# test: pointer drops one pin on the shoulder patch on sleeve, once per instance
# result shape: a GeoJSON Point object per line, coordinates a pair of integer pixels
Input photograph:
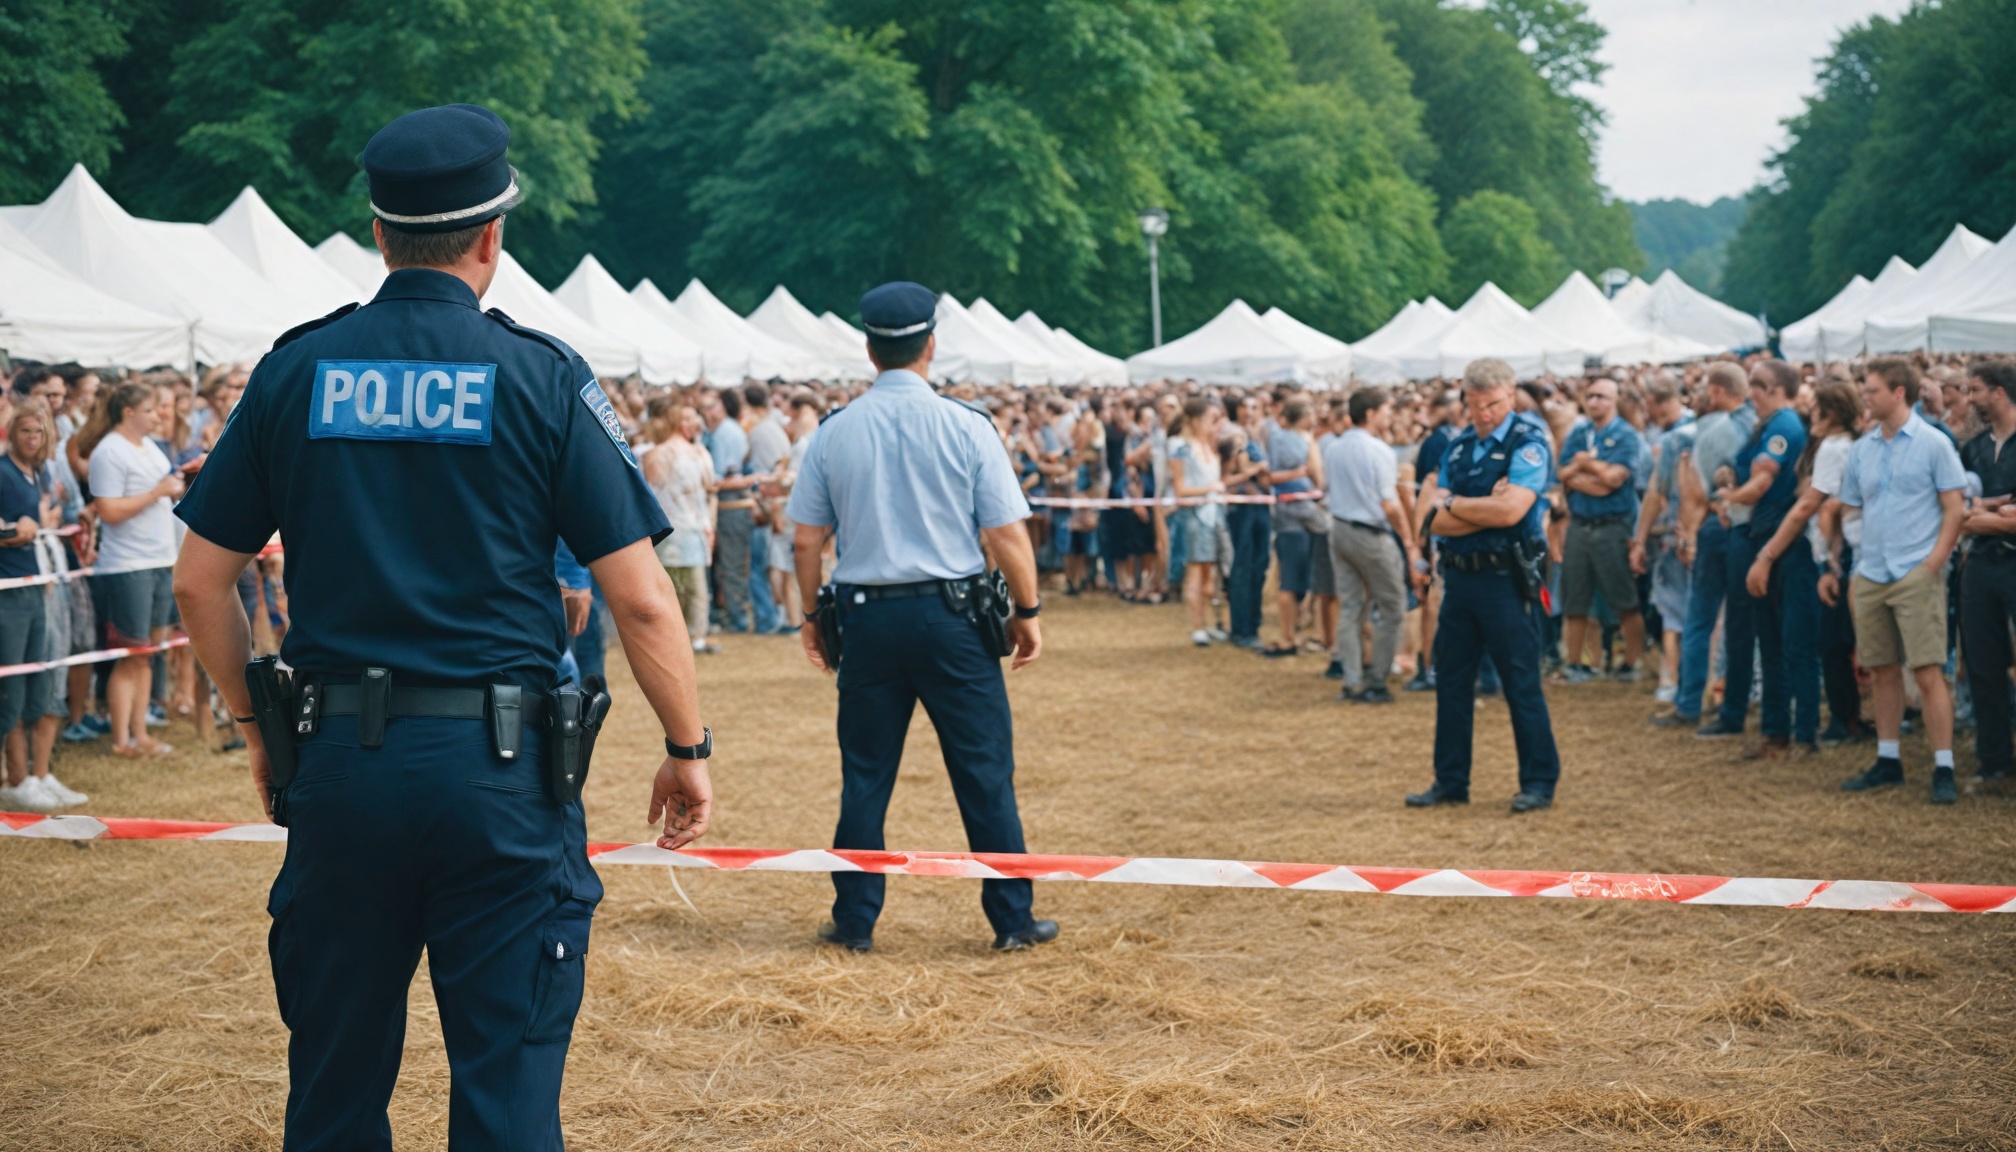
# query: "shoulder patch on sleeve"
{"type": "Point", "coordinates": [300, 330]}
{"type": "Point", "coordinates": [1776, 446]}
{"type": "Point", "coordinates": [550, 341]}
{"type": "Point", "coordinates": [1531, 454]}
{"type": "Point", "coordinates": [605, 414]}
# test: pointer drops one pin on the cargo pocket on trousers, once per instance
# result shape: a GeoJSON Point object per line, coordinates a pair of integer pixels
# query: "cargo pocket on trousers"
{"type": "Point", "coordinates": [280, 945]}
{"type": "Point", "coordinates": [557, 987]}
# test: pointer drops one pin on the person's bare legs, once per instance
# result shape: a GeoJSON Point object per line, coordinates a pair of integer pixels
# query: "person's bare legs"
{"type": "Point", "coordinates": [1288, 607]}
{"type": "Point", "coordinates": [1326, 621]}
{"type": "Point", "coordinates": [126, 700]}
{"type": "Point", "coordinates": [80, 692]}
{"type": "Point", "coordinates": [1935, 704]}
{"type": "Point", "coordinates": [43, 743]}
{"type": "Point", "coordinates": [1887, 700]}
{"type": "Point", "coordinates": [1574, 634]}
{"type": "Point", "coordinates": [1669, 658]}
{"type": "Point", "coordinates": [17, 758]}
{"type": "Point", "coordinates": [1633, 624]}
{"type": "Point", "coordinates": [1197, 593]}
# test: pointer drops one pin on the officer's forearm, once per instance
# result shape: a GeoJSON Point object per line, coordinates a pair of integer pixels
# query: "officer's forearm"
{"type": "Point", "coordinates": [808, 543]}
{"type": "Point", "coordinates": [655, 641]}
{"type": "Point", "coordinates": [206, 590]}
{"type": "Point", "coordinates": [1016, 557]}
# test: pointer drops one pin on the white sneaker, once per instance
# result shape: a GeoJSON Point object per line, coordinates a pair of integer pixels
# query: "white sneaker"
{"type": "Point", "coordinates": [1666, 693]}
{"type": "Point", "coordinates": [31, 797]}
{"type": "Point", "coordinates": [65, 796]}
{"type": "Point", "coordinates": [1218, 635]}
{"type": "Point", "coordinates": [1201, 638]}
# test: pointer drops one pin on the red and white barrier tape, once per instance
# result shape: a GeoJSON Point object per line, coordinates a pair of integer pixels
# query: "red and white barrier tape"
{"type": "Point", "coordinates": [7, 670]}
{"type": "Point", "coordinates": [1166, 501]}
{"type": "Point", "coordinates": [1763, 892]}
{"type": "Point", "coordinates": [44, 578]}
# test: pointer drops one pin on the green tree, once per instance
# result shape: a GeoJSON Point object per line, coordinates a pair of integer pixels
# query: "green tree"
{"type": "Point", "coordinates": [283, 97]}
{"type": "Point", "coordinates": [1493, 236]}
{"type": "Point", "coordinates": [1692, 239]}
{"type": "Point", "coordinates": [58, 110]}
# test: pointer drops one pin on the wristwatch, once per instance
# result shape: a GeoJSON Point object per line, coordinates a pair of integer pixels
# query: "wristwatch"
{"type": "Point", "coordinates": [700, 751]}
{"type": "Point", "coordinates": [1029, 613]}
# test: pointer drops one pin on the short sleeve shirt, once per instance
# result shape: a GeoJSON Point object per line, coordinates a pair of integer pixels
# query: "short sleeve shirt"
{"type": "Point", "coordinates": [146, 539]}
{"type": "Point", "coordinates": [1614, 443]}
{"type": "Point", "coordinates": [1781, 439]}
{"type": "Point", "coordinates": [1896, 482]}
{"type": "Point", "coordinates": [20, 496]}
{"type": "Point", "coordinates": [907, 479]}
{"type": "Point", "coordinates": [421, 461]}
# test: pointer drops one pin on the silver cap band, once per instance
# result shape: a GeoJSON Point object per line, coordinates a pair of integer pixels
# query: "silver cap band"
{"type": "Point", "coordinates": [503, 197]}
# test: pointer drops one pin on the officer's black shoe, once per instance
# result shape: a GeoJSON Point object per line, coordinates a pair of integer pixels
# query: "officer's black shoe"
{"type": "Point", "coordinates": [1715, 729]}
{"type": "Point", "coordinates": [1885, 773]}
{"type": "Point", "coordinates": [1531, 801]}
{"type": "Point", "coordinates": [1335, 671]}
{"type": "Point", "coordinates": [1436, 794]}
{"type": "Point", "coordinates": [1374, 694]}
{"type": "Point", "coordinates": [829, 933]}
{"type": "Point", "coordinates": [1038, 932]}
{"type": "Point", "coordinates": [1943, 789]}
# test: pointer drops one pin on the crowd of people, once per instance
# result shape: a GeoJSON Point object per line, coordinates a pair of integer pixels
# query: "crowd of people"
{"type": "Point", "coordinates": [1762, 533]}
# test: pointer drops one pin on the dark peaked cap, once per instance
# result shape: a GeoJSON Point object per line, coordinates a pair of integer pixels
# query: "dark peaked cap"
{"type": "Point", "coordinates": [899, 309]}
{"type": "Point", "coordinates": [441, 169]}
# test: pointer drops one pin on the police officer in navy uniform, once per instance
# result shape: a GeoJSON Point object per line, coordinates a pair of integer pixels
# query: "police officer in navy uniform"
{"type": "Point", "coordinates": [421, 459]}
{"type": "Point", "coordinates": [1488, 504]}
{"type": "Point", "coordinates": [911, 485]}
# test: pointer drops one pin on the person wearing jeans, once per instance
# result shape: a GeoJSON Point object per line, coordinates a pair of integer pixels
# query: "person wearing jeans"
{"type": "Point", "coordinates": [1249, 525]}
{"type": "Point", "coordinates": [1988, 581]}
{"type": "Point", "coordinates": [1704, 535]}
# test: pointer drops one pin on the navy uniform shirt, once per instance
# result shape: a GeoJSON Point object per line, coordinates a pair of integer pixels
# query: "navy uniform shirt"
{"type": "Point", "coordinates": [1473, 465]}
{"type": "Point", "coordinates": [907, 479]}
{"type": "Point", "coordinates": [1782, 438]}
{"type": "Point", "coordinates": [1614, 443]}
{"type": "Point", "coordinates": [421, 459]}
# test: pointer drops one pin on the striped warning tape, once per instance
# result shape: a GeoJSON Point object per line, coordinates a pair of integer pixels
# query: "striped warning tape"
{"type": "Point", "coordinates": [1763, 892]}
{"type": "Point", "coordinates": [89, 657]}
{"type": "Point", "coordinates": [1166, 501]}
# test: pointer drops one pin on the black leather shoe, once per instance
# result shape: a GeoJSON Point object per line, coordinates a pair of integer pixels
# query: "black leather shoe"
{"type": "Point", "coordinates": [1038, 932]}
{"type": "Point", "coordinates": [1436, 795]}
{"type": "Point", "coordinates": [1882, 774]}
{"type": "Point", "coordinates": [829, 933]}
{"type": "Point", "coordinates": [1531, 801]}
{"type": "Point", "coordinates": [1675, 720]}
{"type": "Point", "coordinates": [1943, 789]}
{"type": "Point", "coordinates": [1374, 694]}
{"type": "Point", "coordinates": [1335, 671]}
{"type": "Point", "coordinates": [1715, 729]}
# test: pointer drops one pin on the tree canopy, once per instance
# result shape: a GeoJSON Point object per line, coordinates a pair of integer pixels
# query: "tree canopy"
{"type": "Point", "coordinates": [1332, 157]}
{"type": "Point", "coordinates": [1912, 130]}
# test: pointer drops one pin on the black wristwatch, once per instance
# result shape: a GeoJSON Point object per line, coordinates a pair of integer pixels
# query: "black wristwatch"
{"type": "Point", "coordinates": [700, 751]}
{"type": "Point", "coordinates": [1029, 613]}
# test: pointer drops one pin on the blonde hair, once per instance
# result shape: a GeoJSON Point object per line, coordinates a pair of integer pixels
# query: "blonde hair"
{"type": "Point", "coordinates": [33, 410]}
{"type": "Point", "coordinates": [1483, 375]}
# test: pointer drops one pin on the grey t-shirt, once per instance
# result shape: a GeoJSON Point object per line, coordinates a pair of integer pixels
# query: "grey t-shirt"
{"type": "Point", "coordinates": [1718, 437]}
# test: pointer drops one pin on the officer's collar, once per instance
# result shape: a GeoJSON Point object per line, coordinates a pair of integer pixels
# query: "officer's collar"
{"type": "Point", "coordinates": [901, 378]}
{"type": "Point", "coordinates": [426, 284]}
{"type": "Point", "coordinates": [1503, 429]}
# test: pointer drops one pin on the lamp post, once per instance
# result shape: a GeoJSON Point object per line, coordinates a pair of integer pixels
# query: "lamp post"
{"type": "Point", "coordinates": [1154, 223]}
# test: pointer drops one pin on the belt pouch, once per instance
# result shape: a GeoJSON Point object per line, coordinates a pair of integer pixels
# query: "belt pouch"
{"type": "Point", "coordinates": [563, 768]}
{"type": "Point", "coordinates": [958, 597]}
{"type": "Point", "coordinates": [595, 705]}
{"type": "Point", "coordinates": [507, 719]}
{"type": "Point", "coordinates": [374, 703]}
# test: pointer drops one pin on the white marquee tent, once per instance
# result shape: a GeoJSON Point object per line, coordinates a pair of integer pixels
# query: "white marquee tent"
{"type": "Point", "coordinates": [1492, 324]}
{"type": "Point", "coordinates": [363, 266]}
{"type": "Point", "coordinates": [255, 234]}
{"type": "Point", "coordinates": [525, 301]}
{"type": "Point", "coordinates": [842, 327]}
{"type": "Point", "coordinates": [1376, 358]}
{"type": "Point", "coordinates": [1841, 336]}
{"type": "Point", "coordinates": [1099, 369]}
{"type": "Point", "coordinates": [784, 318]}
{"type": "Point", "coordinates": [1672, 307]}
{"type": "Point", "coordinates": [1327, 358]}
{"type": "Point", "coordinates": [665, 356]}
{"type": "Point", "coordinates": [1580, 313]}
{"type": "Point", "coordinates": [969, 353]}
{"type": "Point", "coordinates": [1234, 347]}
{"type": "Point", "coordinates": [48, 314]}
{"type": "Point", "coordinates": [1028, 350]}
{"type": "Point", "coordinates": [1801, 340]}
{"type": "Point", "coordinates": [1904, 323]}
{"type": "Point", "coordinates": [731, 347]}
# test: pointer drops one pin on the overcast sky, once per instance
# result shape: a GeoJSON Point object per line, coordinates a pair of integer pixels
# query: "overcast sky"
{"type": "Point", "coordinates": [1697, 88]}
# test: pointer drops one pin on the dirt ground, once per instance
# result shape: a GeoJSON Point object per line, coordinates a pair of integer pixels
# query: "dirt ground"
{"type": "Point", "coordinates": [138, 1009]}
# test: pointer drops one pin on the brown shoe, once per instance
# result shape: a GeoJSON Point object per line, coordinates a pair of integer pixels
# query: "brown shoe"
{"type": "Point", "coordinates": [1769, 748]}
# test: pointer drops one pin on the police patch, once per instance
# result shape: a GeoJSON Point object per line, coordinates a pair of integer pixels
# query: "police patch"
{"type": "Point", "coordinates": [1532, 456]}
{"type": "Point", "coordinates": [415, 400]}
{"type": "Point", "coordinates": [605, 414]}
{"type": "Point", "coordinates": [1776, 446]}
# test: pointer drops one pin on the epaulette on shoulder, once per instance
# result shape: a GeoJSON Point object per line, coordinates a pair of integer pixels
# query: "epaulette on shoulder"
{"type": "Point", "coordinates": [300, 330]}
{"type": "Point", "coordinates": [553, 342]}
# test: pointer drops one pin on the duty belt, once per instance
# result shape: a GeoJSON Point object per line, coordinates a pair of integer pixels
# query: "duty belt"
{"type": "Point", "coordinates": [1477, 561]}
{"type": "Point", "coordinates": [860, 593]}
{"type": "Point", "coordinates": [441, 703]}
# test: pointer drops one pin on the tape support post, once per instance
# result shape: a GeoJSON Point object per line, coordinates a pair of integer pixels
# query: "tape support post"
{"type": "Point", "coordinates": [1762, 892]}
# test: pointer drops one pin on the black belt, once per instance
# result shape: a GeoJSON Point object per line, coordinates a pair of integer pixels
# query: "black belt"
{"type": "Point", "coordinates": [1477, 561]}
{"type": "Point", "coordinates": [439, 703]}
{"type": "Point", "coordinates": [860, 592]}
{"type": "Point", "coordinates": [1359, 524]}
{"type": "Point", "coordinates": [1600, 521]}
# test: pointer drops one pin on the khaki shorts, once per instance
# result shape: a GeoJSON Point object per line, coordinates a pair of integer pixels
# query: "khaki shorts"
{"type": "Point", "coordinates": [1903, 622]}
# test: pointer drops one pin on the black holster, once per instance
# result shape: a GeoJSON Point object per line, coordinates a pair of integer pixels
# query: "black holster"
{"type": "Point", "coordinates": [272, 692]}
{"type": "Point", "coordinates": [1529, 569]}
{"type": "Point", "coordinates": [826, 614]}
{"type": "Point", "coordinates": [577, 715]}
{"type": "Point", "coordinates": [992, 607]}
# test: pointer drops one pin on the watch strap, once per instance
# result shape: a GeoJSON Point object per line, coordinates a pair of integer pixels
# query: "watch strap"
{"type": "Point", "coordinates": [700, 751]}
{"type": "Point", "coordinates": [1029, 613]}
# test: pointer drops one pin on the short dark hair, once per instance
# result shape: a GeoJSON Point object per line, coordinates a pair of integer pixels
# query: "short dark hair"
{"type": "Point", "coordinates": [1366, 401]}
{"type": "Point", "coordinates": [731, 403]}
{"type": "Point", "coordinates": [1895, 372]}
{"type": "Point", "coordinates": [427, 249]}
{"type": "Point", "coordinates": [900, 352]}
{"type": "Point", "coordinates": [29, 376]}
{"type": "Point", "coordinates": [1997, 373]}
{"type": "Point", "coordinates": [757, 394]}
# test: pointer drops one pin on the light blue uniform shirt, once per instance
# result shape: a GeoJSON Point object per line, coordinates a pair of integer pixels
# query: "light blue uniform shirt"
{"type": "Point", "coordinates": [1896, 482]}
{"type": "Point", "coordinates": [907, 479]}
{"type": "Point", "coordinates": [1528, 470]}
{"type": "Point", "coordinates": [1614, 443]}
{"type": "Point", "coordinates": [729, 446]}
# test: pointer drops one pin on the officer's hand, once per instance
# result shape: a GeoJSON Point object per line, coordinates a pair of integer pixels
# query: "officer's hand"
{"type": "Point", "coordinates": [1638, 557]}
{"type": "Point", "coordinates": [815, 649]}
{"type": "Point", "coordinates": [1758, 582]}
{"type": "Point", "coordinates": [262, 773]}
{"type": "Point", "coordinates": [1028, 638]}
{"type": "Point", "coordinates": [683, 795]}
{"type": "Point", "coordinates": [1830, 589]}
{"type": "Point", "coordinates": [577, 602]}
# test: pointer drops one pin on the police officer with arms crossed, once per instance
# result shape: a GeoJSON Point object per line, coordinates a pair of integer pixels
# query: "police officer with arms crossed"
{"type": "Point", "coordinates": [911, 484]}
{"type": "Point", "coordinates": [421, 459]}
{"type": "Point", "coordinates": [1490, 519]}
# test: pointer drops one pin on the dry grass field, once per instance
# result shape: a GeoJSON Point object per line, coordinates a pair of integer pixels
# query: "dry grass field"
{"type": "Point", "coordinates": [138, 1010]}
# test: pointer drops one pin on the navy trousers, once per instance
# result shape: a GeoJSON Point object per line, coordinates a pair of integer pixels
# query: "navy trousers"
{"type": "Point", "coordinates": [894, 654]}
{"type": "Point", "coordinates": [1783, 628]}
{"type": "Point", "coordinates": [1482, 613]}
{"type": "Point", "coordinates": [429, 841]}
{"type": "Point", "coordinates": [1249, 525]}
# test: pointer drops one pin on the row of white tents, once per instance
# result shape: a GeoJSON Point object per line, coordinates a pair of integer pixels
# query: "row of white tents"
{"type": "Point", "coordinates": [1962, 299]}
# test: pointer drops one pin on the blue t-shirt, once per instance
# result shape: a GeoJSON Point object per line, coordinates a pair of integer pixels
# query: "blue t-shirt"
{"type": "Point", "coordinates": [1287, 451]}
{"type": "Point", "coordinates": [422, 460]}
{"type": "Point", "coordinates": [1433, 447]}
{"type": "Point", "coordinates": [19, 496]}
{"type": "Point", "coordinates": [1782, 438]}
{"type": "Point", "coordinates": [1614, 443]}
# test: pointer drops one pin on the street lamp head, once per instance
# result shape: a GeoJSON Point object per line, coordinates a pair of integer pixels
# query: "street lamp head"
{"type": "Point", "coordinates": [1154, 222]}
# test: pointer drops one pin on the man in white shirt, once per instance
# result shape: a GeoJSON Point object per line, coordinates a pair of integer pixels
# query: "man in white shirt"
{"type": "Point", "coordinates": [1369, 532]}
